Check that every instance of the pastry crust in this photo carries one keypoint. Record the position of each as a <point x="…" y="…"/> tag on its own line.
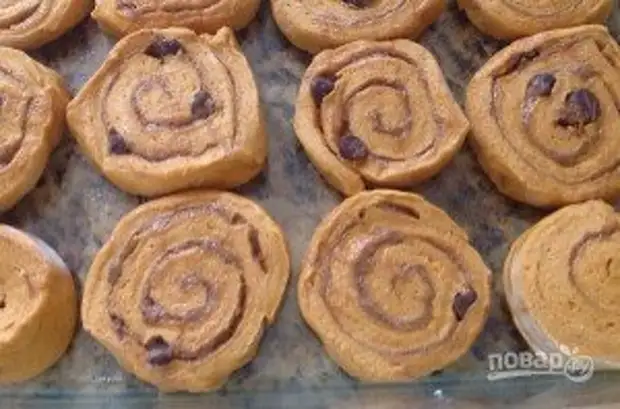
<point x="184" y="288"/>
<point x="314" y="25"/>
<point x="392" y="287"/>
<point x="392" y="98"/>
<point x="202" y="16"/>
<point x="171" y="110"/>
<point x="544" y="117"/>
<point x="38" y="306"/>
<point x="32" y="23"/>
<point x="561" y="283"/>
<point x="510" y="19"/>
<point x="32" y="110"/>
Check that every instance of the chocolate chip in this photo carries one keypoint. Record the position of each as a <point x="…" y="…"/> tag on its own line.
<point x="541" y="85"/>
<point x="581" y="107"/>
<point x="159" y="351"/>
<point x="161" y="47"/>
<point x="463" y="300"/>
<point x="119" y="326"/>
<point x="116" y="143"/>
<point x="202" y="105"/>
<point x="321" y="87"/>
<point x="358" y="3"/>
<point x="352" y="148"/>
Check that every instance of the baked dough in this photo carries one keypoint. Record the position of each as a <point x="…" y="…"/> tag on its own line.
<point x="184" y="288"/>
<point x="32" y="110"/>
<point x="544" y="115"/>
<point x="122" y="17"/>
<point x="509" y="19"/>
<point x="378" y="113"/>
<point x="562" y="283"/>
<point x="28" y="24"/>
<point x="392" y="287"/>
<point x="314" y="25"/>
<point x="38" y="306"/>
<point x="171" y="110"/>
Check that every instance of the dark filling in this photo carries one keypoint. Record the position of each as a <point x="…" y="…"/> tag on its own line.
<point x="119" y="326"/>
<point x="407" y="211"/>
<point x="352" y="148"/>
<point x="161" y="47"/>
<point x="159" y="351"/>
<point x="541" y="85"/>
<point x="117" y="144"/>
<point x="202" y="105"/>
<point x="462" y="302"/>
<point x="581" y="107"/>
<point x="321" y="87"/>
<point x="257" y="251"/>
<point x="360" y="4"/>
<point x="518" y="60"/>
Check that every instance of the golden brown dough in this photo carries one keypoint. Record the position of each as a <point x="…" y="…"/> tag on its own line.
<point x="544" y="116"/>
<point x="184" y="288"/>
<point x="32" y="111"/>
<point x="392" y="287"/>
<point x="378" y="113"/>
<point x="562" y="283"/>
<point x="171" y="110"/>
<point x="314" y="25"/>
<point x="203" y="16"/>
<point x="509" y="19"/>
<point x="38" y="306"/>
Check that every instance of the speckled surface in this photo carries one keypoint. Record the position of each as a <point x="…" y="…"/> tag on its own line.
<point x="74" y="209"/>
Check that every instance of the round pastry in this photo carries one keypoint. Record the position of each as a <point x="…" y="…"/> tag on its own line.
<point x="170" y="110"/>
<point x="184" y="288"/>
<point x="377" y="112"/>
<point x="544" y="115"/>
<point x="509" y="19"/>
<point x="30" y="24"/>
<point x="562" y="283"/>
<point x="122" y="17"/>
<point x="318" y="24"/>
<point x="392" y="287"/>
<point x="32" y="111"/>
<point x="38" y="306"/>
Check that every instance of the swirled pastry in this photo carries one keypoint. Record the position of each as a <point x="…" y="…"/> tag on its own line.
<point x="544" y="115"/>
<point x="32" y="110"/>
<point x="509" y="19"/>
<point x="38" y="306"/>
<point x="377" y="112"/>
<point x="562" y="283"/>
<point x="314" y="25"/>
<point x="184" y="288"/>
<point x="29" y="24"/>
<point x="392" y="287"/>
<point x="170" y="110"/>
<point x="122" y="17"/>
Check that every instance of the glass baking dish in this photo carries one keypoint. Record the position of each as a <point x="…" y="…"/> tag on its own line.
<point x="74" y="209"/>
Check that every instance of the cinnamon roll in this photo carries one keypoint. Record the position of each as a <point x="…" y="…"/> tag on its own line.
<point x="170" y="110"/>
<point x="122" y="17"/>
<point x="392" y="287"/>
<point x="509" y="19"/>
<point x="562" y="283"/>
<point x="378" y="113"/>
<point x="38" y="306"/>
<point x="183" y="290"/>
<point x="544" y="114"/>
<point x="314" y="25"/>
<point x="28" y="24"/>
<point x="32" y="110"/>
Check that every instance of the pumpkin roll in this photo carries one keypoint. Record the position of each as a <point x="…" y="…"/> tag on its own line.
<point x="122" y="17"/>
<point x="562" y="283"/>
<point x="314" y="25"/>
<point x="184" y="288"/>
<point x="544" y="114"/>
<point x="378" y="113"/>
<point x="38" y="306"/>
<point x="28" y="24"/>
<point x="392" y="287"/>
<point x="32" y="110"/>
<point x="171" y="110"/>
<point x="510" y="19"/>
